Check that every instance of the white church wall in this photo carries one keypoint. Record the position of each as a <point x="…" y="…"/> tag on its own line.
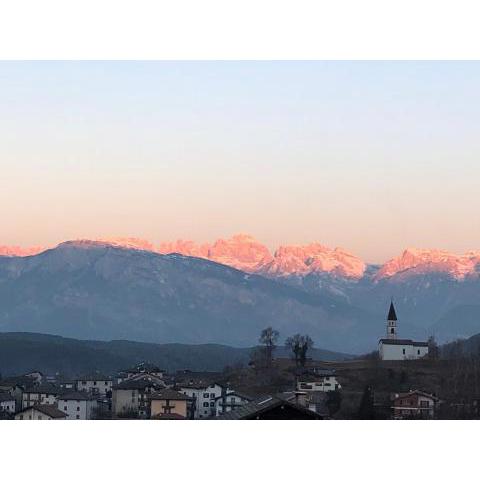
<point x="402" y="352"/>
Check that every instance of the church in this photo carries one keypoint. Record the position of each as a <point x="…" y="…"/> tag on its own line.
<point x="393" y="348"/>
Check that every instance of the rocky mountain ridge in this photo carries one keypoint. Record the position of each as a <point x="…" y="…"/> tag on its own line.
<point x="243" y="252"/>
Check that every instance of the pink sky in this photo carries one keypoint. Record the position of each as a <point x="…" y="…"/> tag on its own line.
<point x="373" y="157"/>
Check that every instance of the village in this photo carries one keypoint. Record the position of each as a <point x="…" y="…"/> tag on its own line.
<point x="404" y="379"/>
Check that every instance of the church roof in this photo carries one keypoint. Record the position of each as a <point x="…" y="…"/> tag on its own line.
<point x="397" y="341"/>
<point x="392" y="315"/>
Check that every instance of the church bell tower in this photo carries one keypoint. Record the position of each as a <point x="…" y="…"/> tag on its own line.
<point x="392" y="323"/>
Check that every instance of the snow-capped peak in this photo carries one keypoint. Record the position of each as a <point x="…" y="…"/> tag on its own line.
<point x="416" y="260"/>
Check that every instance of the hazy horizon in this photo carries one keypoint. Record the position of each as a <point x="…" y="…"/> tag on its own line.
<point x="374" y="157"/>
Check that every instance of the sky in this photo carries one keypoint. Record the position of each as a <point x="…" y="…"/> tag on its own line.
<point x="370" y="156"/>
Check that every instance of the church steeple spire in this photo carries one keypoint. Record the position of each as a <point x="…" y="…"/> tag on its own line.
<point x="392" y="322"/>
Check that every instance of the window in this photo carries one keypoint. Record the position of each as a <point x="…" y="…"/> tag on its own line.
<point x="65" y="408"/>
<point x="205" y="404"/>
<point x="78" y="417"/>
<point x="78" y="409"/>
<point x="233" y="400"/>
<point x="212" y="395"/>
<point x="94" y="383"/>
<point x="84" y="383"/>
<point x="106" y="383"/>
<point x="418" y="351"/>
<point x="206" y="395"/>
<point x="212" y="404"/>
<point x="404" y="351"/>
<point x="392" y="330"/>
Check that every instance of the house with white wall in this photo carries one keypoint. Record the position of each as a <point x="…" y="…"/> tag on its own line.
<point x="319" y="380"/>
<point x="7" y="403"/>
<point x="204" y="397"/>
<point x="45" y="394"/>
<point x="230" y="401"/>
<point x="77" y="405"/>
<point x="95" y="384"/>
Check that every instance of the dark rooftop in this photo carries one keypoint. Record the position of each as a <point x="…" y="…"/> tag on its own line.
<point x="392" y="315"/>
<point x="21" y="380"/>
<point x="237" y="394"/>
<point x="49" y="410"/>
<point x="47" y="388"/>
<point x="5" y="397"/>
<point x="96" y="377"/>
<point x="168" y="394"/>
<point x="168" y="416"/>
<point x="75" y="396"/>
<point x="413" y="392"/>
<point x="134" y="385"/>
<point x="397" y="341"/>
<point x="252" y="410"/>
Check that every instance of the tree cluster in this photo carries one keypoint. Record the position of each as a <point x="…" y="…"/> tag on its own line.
<point x="299" y="346"/>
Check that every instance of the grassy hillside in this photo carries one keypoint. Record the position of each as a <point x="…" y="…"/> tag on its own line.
<point x="21" y="352"/>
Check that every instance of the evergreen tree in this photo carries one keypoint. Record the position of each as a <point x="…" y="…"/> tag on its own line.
<point x="366" y="410"/>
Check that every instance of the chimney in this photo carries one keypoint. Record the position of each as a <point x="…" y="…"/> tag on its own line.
<point x="300" y="398"/>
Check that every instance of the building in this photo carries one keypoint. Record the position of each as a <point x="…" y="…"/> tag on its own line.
<point x="131" y="398"/>
<point x="15" y="391"/>
<point x="150" y="377"/>
<point x="95" y="384"/>
<point x="77" y="405"/>
<point x="312" y="400"/>
<point x="40" y="412"/>
<point x="393" y="348"/>
<point x="167" y="402"/>
<point x="271" y="408"/>
<point x="319" y="380"/>
<point x="413" y="405"/>
<point x="36" y="376"/>
<point x="45" y="394"/>
<point x="230" y="401"/>
<point x="66" y="384"/>
<point x="7" y="403"/>
<point x="204" y="396"/>
<point x="142" y="367"/>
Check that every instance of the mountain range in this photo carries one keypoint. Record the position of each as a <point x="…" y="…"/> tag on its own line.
<point x="227" y="291"/>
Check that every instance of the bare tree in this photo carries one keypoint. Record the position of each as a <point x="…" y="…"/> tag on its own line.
<point x="433" y="350"/>
<point x="299" y="345"/>
<point x="269" y="338"/>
